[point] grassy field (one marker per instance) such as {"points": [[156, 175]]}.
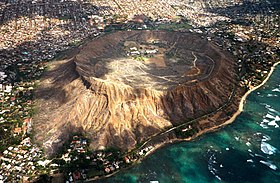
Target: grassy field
{"points": [[175, 26]]}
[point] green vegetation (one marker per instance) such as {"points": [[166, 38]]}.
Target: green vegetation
{"points": [[6, 136], [186, 133], [75, 43], [229, 113], [139, 58], [67, 144], [43, 178], [65, 17], [175, 26], [170, 54], [79, 163], [251, 48], [138, 145]]}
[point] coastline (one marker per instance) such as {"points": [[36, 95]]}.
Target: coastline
{"points": [[244, 97], [229, 121]]}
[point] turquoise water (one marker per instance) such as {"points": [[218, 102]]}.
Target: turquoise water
{"points": [[245, 151]]}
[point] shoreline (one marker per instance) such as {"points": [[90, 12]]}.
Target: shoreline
{"points": [[244, 97], [227, 122]]}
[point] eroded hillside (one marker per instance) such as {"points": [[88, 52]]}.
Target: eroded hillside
{"points": [[124, 87]]}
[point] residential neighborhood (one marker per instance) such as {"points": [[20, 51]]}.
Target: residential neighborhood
{"points": [[79, 163]]}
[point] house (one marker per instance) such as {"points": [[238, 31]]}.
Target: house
{"points": [[133, 49], [8, 89], [107, 170], [17, 130], [140, 18], [112, 168], [24, 129], [151, 51], [126, 159], [135, 53], [26, 142], [27, 120], [28, 124]]}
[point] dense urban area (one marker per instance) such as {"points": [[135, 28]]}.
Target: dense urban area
{"points": [[32, 33]]}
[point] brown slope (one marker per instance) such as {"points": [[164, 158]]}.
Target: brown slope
{"points": [[80, 94]]}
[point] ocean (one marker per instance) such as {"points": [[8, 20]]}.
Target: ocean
{"points": [[244, 151]]}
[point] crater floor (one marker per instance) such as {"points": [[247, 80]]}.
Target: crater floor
{"points": [[148, 59]]}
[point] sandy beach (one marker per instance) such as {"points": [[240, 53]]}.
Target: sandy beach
{"points": [[243, 99]]}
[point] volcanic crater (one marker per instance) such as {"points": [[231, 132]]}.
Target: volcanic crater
{"points": [[123, 87]]}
